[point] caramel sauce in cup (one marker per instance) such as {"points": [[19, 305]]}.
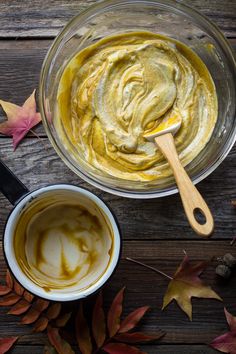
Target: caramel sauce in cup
{"points": [[64, 243]]}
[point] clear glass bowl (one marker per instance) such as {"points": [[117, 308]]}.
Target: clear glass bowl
{"points": [[165, 17]]}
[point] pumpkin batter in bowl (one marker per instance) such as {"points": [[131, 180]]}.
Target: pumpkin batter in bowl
{"points": [[113, 92]]}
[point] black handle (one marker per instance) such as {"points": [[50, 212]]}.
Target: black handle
{"points": [[10, 185]]}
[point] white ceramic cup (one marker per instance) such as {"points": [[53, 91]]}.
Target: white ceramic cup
{"points": [[26, 199]]}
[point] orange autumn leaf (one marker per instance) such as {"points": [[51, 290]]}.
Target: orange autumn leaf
{"points": [[133, 319], [187, 284], [61, 346], [98, 322], [6, 344], [20, 119], [114, 313], [226, 343], [21, 307]]}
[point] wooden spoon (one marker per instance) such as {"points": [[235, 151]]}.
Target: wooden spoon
{"points": [[192, 200]]}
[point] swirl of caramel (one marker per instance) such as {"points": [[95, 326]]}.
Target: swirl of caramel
{"points": [[116, 90]]}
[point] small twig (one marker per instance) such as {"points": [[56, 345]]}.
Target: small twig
{"points": [[233, 241], [149, 267], [35, 134]]}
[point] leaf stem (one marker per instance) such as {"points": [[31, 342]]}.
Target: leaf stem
{"points": [[149, 267]]}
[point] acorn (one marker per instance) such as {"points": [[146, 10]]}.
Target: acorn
{"points": [[223, 271], [229, 260]]}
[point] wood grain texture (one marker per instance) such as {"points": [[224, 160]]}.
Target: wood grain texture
{"points": [[26, 27], [208, 316], [23, 18], [36, 164], [152, 349]]}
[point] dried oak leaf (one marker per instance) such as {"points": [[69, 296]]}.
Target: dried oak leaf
{"points": [[226, 343], [6, 344], [61, 346], [82, 332], [187, 284], [20, 119], [114, 313]]}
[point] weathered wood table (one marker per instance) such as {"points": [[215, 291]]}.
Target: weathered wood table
{"points": [[154, 231]]}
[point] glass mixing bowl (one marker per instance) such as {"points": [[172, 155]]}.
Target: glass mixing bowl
{"points": [[165, 17]]}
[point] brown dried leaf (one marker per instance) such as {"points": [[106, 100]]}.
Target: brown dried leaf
{"points": [[9, 279], [19, 290], [9, 299], [63, 319], [120, 348], [133, 319], [4, 290], [41, 305], [113, 317], [61, 346], [6, 344], [82, 332], [98, 322], [53, 311], [31, 316], [21, 307], [41, 324], [28, 296], [187, 284], [137, 337]]}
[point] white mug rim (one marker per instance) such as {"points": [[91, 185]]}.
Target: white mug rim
{"points": [[20, 275]]}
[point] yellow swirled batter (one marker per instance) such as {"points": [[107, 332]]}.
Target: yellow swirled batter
{"points": [[113, 92]]}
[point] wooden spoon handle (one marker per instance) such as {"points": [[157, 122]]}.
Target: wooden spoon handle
{"points": [[191, 198]]}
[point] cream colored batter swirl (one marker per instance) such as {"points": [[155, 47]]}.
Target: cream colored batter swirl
{"points": [[115, 91]]}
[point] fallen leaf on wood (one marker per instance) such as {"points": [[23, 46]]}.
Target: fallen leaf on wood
{"points": [[9, 299], [28, 296], [61, 346], [20, 119], [9, 280], [21, 307], [53, 311], [187, 284], [41, 304], [120, 348], [6, 344], [18, 288], [31, 316], [98, 322], [62, 320], [133, 319], [226, 343], [82, 332], [113, 317], [41, 324], [4, 290]]}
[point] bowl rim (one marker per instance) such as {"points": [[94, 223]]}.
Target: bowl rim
{"points": [[93, 10]]}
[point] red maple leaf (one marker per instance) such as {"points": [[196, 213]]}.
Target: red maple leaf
{"points": [[20, 119], [226, 343]]}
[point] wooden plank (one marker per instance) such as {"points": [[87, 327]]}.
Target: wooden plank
{"points": [[39, 18], [37, 165], [150, 349], [208, 316]]}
